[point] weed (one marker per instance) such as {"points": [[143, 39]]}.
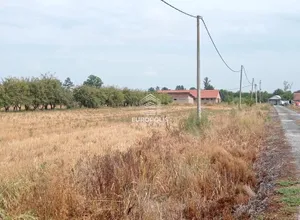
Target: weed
{"points": [[291, 191], [286, 183], [128, 173], [195, 125], [292, 201]]}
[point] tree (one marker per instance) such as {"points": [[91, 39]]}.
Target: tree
{"points": [[68, 84], [115, 97], [151, 89], [207, 85], [180, 87], [157, 88], [164, 88], [15, 93], [193, 88], [87, 96], [279, 92], [287, 86], [93, 81]]}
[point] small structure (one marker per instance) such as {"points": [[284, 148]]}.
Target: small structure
{"points": [[275, 100], [296, 98], [190, 96]]}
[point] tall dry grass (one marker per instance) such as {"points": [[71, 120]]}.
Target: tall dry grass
{"points": [[166, 175]]}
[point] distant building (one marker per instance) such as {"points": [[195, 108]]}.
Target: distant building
{"points": [[190, 96], [275, 100], [296, 98]]}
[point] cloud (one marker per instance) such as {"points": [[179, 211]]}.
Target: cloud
{"points": [[121, 38]]}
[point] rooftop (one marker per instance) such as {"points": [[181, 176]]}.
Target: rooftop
{"points": [[204, 93]]}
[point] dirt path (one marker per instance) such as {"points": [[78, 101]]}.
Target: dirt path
{"points": [[290, 121]]}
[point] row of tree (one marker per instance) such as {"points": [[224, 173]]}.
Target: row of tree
{"points": [[47, 92], [206, 83], [247, 97]]}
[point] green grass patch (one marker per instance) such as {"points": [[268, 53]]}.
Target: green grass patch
{"points": [[289, 192], [292, 191], [194, 125], [291, 201], [286, 183]]}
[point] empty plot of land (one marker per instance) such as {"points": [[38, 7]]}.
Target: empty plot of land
{"points": [[31, 138]]}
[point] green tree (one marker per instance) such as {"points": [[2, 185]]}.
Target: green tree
{"points": [[115, 97], [288, 95], [87, 96], [151, 89], [180, 87], [15, 93], [207, 85], [193, 88], [164, 88], [68, 84], [93, 81], [279, 92]]}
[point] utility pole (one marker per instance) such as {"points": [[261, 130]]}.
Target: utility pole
{"points": [[252, 89], [260, 91], [256, 93], [198, 70], [241, 82]]}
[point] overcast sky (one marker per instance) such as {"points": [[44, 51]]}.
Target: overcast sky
{"points": [[144, 43]]}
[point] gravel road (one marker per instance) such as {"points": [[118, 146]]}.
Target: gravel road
{"points": [[290, 121]]}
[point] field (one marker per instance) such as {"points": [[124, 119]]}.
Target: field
{"points": [[98, 164]]}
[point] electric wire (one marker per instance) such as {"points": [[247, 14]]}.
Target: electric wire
{"points": [[177, 9], [213, 42], [246, 75], [208, 32], [237, 88]]}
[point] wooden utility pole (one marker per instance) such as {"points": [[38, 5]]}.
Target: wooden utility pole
{"points": [[260, 91], [198, 70], [252, 89], [256, 93], [241, 82]]}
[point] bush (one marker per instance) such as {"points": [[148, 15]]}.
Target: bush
{"points": [[194, 125]]}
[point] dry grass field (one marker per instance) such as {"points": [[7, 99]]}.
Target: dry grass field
{"points": [[97, 164]]}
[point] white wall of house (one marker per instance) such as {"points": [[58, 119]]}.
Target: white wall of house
{"points": [[182, 98], [210, 100]]}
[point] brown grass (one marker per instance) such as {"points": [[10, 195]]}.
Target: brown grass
{"points": [[115, 170]]}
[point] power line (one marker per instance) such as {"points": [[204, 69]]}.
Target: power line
{"points": [[193, 16], [235, 71], [247, 76], [238, 88]]}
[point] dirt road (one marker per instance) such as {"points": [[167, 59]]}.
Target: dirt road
{"points": [[291, 124]]}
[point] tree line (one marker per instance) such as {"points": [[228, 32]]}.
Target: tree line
{"points": [[233, 97], [206, 84], [48, 92]]}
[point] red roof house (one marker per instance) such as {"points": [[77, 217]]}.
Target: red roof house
{"points": [[297, 98], [190, 96]]}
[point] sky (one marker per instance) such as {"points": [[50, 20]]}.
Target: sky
{"points": [[145, 43]]}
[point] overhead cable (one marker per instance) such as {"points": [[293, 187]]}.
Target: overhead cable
{"points": [[246, 75], [193, 16], [236, 71]]}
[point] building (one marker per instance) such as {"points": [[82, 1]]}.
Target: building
{"points": [[275, 100], [190, 96], [296, 98]]}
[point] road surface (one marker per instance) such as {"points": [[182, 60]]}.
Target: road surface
{"points": [[290, 121]]}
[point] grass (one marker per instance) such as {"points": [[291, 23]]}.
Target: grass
{"points": [[80, 164]]}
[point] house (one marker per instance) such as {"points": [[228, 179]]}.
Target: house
{"points": [[275, 100], [190, 96], [296, 98]]}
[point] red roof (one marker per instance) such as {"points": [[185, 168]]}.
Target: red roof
{"points": [[205, 94]]}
